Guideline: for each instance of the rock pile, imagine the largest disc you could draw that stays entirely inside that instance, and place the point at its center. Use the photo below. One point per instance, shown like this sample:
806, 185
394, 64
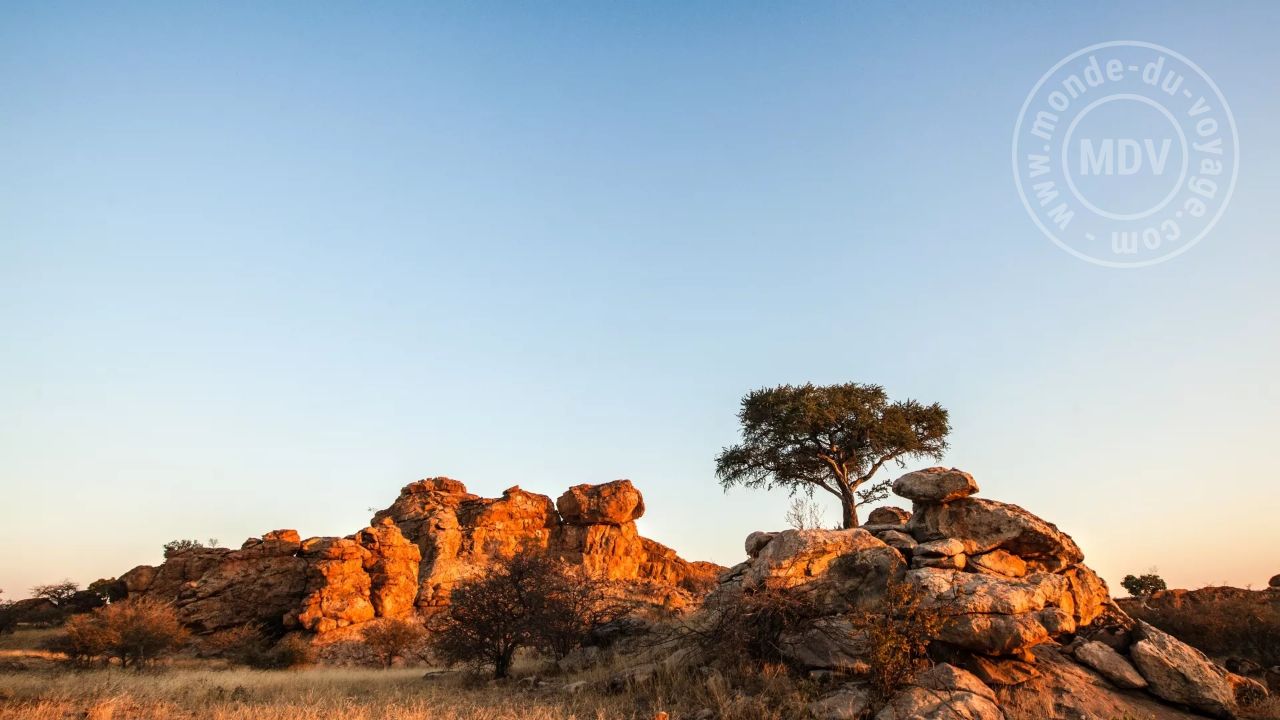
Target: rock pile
460, 535
433, 536
1029, 630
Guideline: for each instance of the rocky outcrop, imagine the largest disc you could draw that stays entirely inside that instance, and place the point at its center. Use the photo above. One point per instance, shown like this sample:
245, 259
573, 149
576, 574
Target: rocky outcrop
1108, 663
1006, 590
433, 536
262, 582
460, 535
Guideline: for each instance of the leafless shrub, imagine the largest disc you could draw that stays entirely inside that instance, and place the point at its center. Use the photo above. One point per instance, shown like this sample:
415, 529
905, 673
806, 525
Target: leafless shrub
753, 625
394, 637
805, 513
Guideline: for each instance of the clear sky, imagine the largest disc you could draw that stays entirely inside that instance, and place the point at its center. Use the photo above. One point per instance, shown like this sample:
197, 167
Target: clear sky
262, 264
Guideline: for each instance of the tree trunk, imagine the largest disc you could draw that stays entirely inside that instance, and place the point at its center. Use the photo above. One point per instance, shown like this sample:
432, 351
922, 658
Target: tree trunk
502, 666
848, 507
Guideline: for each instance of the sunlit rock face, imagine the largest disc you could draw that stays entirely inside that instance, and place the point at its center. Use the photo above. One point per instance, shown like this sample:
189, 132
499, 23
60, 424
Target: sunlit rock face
435, 535
461, 535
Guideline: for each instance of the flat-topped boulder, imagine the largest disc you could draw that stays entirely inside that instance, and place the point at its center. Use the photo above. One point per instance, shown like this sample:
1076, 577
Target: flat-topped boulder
613, 503
935, 485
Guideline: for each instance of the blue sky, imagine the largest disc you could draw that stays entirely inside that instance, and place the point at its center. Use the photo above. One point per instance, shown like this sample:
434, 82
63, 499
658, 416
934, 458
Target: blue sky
260, 266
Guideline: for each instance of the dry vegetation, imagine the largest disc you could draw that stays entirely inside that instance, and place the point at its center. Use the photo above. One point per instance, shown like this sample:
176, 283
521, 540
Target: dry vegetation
36, 686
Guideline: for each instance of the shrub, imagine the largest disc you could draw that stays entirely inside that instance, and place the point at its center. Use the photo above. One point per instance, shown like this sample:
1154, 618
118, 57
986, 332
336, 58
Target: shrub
1141, 586
291, 651
393, 637
754, 625
141, 630
135, 632
898, 633
528, 601
84, 638
252, 645
176, 546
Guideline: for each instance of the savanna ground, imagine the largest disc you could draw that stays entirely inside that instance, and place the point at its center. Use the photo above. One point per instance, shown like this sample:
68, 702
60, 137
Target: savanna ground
37, 685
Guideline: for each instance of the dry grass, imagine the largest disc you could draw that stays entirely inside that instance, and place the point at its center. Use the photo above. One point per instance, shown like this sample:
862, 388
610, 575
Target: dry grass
187, 689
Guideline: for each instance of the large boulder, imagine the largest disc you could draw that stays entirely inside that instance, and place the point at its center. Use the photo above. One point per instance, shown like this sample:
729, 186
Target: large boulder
1109, 664
935, 485
798, 557
831, 643
848, 703
138, 580
888, 515
613, 503
986, 525
943, 692
1181, 674
998, 615
1064, 689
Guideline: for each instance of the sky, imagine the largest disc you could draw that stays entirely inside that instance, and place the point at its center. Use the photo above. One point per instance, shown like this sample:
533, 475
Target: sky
262, 264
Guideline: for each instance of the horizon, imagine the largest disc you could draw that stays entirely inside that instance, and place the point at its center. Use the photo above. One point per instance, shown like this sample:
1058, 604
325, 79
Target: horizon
261, 267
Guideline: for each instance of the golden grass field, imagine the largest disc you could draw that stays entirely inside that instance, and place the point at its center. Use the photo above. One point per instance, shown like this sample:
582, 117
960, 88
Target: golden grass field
36, 686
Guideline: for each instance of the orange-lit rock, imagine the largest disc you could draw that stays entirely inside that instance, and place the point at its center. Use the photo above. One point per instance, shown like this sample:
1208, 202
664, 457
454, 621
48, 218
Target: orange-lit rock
392, 565
613, 503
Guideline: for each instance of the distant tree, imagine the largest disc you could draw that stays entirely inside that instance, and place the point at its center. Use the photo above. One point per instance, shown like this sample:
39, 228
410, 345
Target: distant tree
394, 637
59, 594
834, 438
1141, 586
181, 545
804, 513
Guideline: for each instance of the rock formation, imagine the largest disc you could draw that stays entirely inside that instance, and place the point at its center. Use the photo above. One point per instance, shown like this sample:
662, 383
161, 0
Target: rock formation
460, 534
1033, 628
433, 536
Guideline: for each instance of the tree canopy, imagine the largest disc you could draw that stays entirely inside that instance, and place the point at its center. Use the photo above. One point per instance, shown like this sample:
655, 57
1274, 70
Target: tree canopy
833, 437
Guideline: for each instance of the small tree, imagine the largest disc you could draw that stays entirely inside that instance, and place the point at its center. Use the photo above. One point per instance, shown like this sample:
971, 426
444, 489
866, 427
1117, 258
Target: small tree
59, 594
1141, 586
834, 438
393, 638
529, 601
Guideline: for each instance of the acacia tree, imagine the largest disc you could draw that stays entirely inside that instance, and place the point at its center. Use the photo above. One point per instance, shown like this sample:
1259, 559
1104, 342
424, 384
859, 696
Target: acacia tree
833, 437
